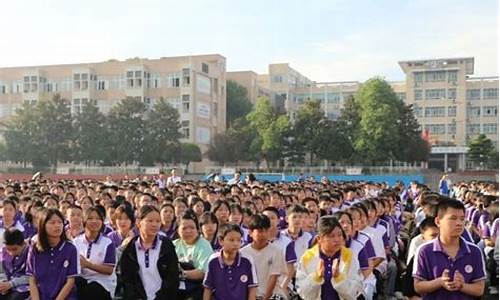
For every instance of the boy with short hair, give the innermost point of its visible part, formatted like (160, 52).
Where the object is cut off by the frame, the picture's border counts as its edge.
(268, 258)
(14, 256)
(449, 267)
(231, 274)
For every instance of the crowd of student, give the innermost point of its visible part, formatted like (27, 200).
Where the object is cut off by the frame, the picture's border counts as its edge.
(171, 239)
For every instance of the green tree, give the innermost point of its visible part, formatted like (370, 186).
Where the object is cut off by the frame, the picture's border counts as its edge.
(378, 133)
(271, 130)
(482, 151)
(411, 147)
(347, 126)
(126, 126)
(220, 149)
(92, 135)
(161, 140)
(54, 132)
(19, 136)
(308, 128)
(188, 153)
(238, 105)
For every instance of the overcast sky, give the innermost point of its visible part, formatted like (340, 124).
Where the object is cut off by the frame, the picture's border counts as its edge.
(331, 40)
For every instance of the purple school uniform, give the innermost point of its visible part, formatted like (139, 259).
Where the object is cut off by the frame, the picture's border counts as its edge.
(29, 230)
(358, 249)
(327, 290)
(364, 239)
(282, 216)
(230, 282)
(431, 260)
(15, 267)
(52, 267)
(116, 238)
(171, 231)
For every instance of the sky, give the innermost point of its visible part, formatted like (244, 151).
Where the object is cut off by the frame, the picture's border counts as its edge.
(331, 40)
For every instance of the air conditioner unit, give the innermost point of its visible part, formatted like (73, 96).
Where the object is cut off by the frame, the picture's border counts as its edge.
(452, 136)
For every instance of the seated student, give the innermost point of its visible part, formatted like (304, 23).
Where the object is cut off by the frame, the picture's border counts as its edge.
(97, 259)
(74, 217)
(329, 270)
(52, 262)
(193, 252)
(149, 265)
(449, 267)
(428, 231)
(268, 258)
(9, 212)
(295, 216)
(209, 226)
(231, 274)
(14, 256)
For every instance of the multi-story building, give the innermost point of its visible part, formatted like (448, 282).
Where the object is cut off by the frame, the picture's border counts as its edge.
(451, 106)
(249, 79)
(195, 85)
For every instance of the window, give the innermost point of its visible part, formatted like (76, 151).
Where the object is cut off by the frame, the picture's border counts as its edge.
(452, 111)
(490, 128)
(435, 76)
(186, 79)
(418, 95)
(204, 68)
(473, 128)
(185, 129)
(435, 111)
(452, 128)
(185, 103)
(490, 111)
(473, 94)
(418, 76)
(173, 80)
(80, 81)
(3, 89)
(474, 111)
(435, 128)
(401, 96)
(30, 102)
(278, 78)
(215, 109)
(452, 76)
(452, 93)
(490, 93)
(134, 79)
(101, 85)
(30, 84)
(333, 97)
(433, 94)
(417, 111)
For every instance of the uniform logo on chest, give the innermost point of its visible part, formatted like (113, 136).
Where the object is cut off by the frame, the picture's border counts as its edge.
(66, 263)
(244, 278)
(469, 269)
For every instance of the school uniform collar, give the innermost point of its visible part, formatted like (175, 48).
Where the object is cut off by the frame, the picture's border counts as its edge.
(59, 246)
(237, 260)
(301, 232)
(155, 244)
(463, 248)
(94, 241)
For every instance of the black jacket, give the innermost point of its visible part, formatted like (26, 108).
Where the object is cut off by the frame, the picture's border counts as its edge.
(167, 265)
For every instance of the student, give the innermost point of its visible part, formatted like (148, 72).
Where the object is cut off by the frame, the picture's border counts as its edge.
(97, 259)
(52, 262)
(268, 258)
(209, 226)
(449, 267)
(149, 265)
(9, 212)
(231, 274)
(193, 252)
(168, 221)
(74, 217)
(124, 221)
(329, 270)
(221, 210)
(295, 215)
(14, 256)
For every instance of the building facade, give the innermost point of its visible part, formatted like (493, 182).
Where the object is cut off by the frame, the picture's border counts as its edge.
(194, 85)
(451, 106)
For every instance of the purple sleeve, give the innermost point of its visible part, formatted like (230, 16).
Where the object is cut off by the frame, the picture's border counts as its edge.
(30, 262)
(485, 231)
(475, 217)
(370, 251)
(73, 261)
(290, 255)
(385, 239)
(494, 229)
(208, 281)
(420, 270)
(110, 256)
(479, 271)
(362, 259)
